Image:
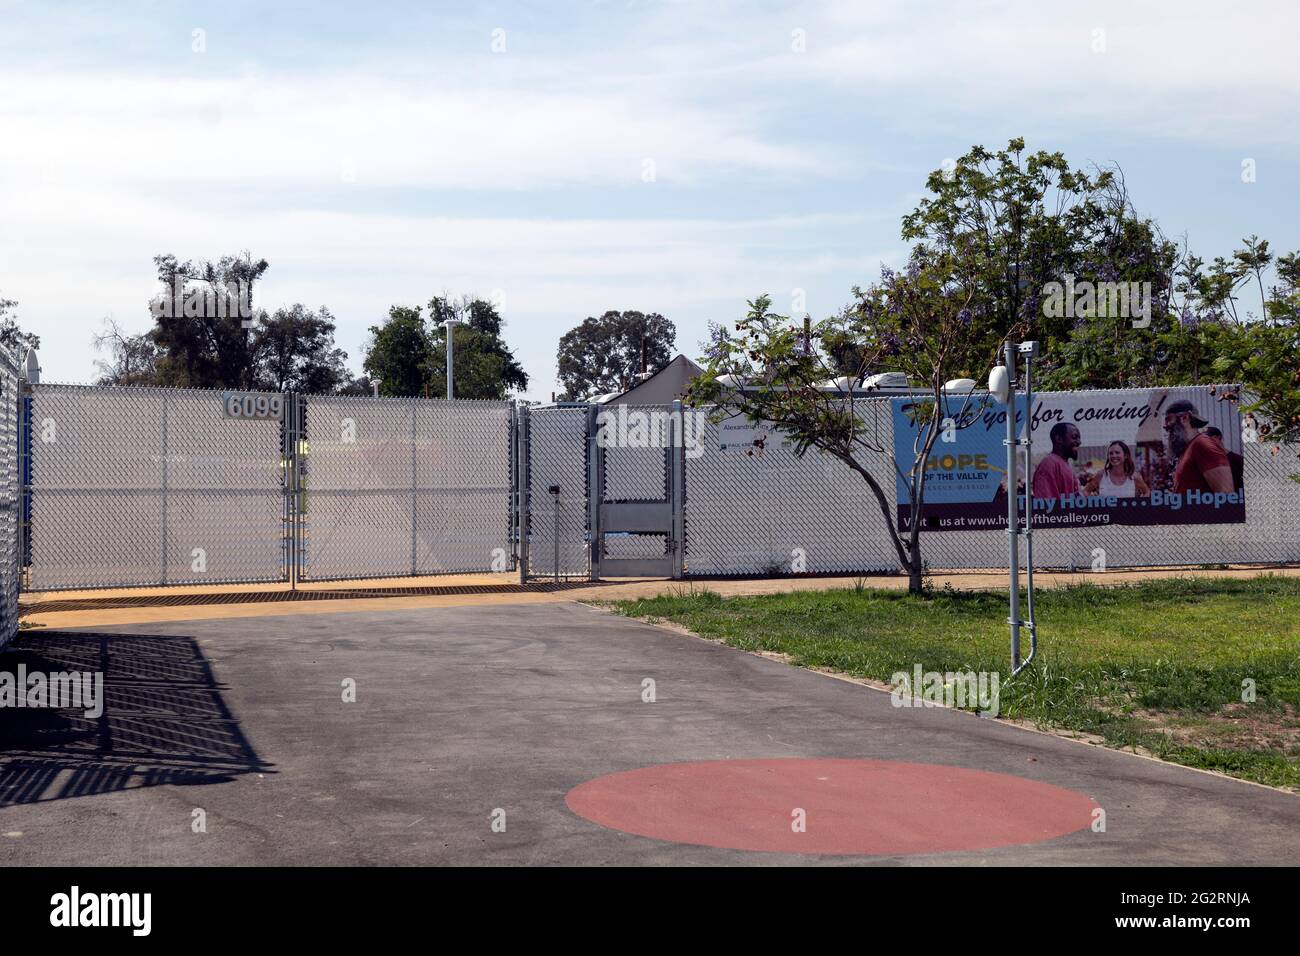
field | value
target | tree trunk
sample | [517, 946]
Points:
[915, 585]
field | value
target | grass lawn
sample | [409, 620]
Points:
[1158, 666]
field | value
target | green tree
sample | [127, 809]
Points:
[1021, 221]
[132, 359]
[485, 366]
[204, 323]
[208, 334]
[398, 352]
[1262, 353]
[408, 353]
[12, 336]
[916, 321]
[604, 354]
[295, 352]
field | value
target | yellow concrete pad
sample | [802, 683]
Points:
[100, 608]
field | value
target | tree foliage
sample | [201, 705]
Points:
[132, 359]
[485, 366]
[795, 376]
[995, 239]
[207, 333]
[408, 353]
[294, 352]
[12, 335]
[398, 351]
[603, 354]
[1020, 221]
[213, 349]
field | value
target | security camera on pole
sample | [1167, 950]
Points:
[1002, 385]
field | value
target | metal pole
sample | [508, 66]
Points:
[163, 509]
[525, 500]
[450, 326]
[24, 479]
[1029, 349]
[513, 440]
[595, 493]
[297, 528]
[286, 490]
[1013, 499]
[555, 497]
[677, 487]
[415, 497]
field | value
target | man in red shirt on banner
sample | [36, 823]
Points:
[1054, 477]
[1202, 463]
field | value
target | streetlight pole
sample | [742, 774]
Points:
[450, 326]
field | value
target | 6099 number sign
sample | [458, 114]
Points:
[253, 406]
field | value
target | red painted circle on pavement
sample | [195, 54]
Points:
[869, 807]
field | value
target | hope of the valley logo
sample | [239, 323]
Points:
[960, 689]
[74, 909]
[60, 689]
[624, 427]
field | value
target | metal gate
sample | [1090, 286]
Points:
[397, 487]
[152, 486]
[639, 471]
[554, 539]
[602, 491]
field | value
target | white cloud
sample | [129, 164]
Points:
[142, 131]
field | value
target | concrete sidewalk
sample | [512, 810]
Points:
[465, 710]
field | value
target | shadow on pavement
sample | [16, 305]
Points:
[164, 720]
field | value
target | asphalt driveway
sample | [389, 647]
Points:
[231, 742]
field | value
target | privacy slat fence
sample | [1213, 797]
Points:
[150, 486]
[145, 486]
[11, 498]
[759, 514]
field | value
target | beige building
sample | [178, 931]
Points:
[658, 388]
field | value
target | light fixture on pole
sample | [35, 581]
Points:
[450, 326]
[1002, 386]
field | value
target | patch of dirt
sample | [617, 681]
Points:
[1235, 727]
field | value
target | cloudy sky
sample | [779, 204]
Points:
[574, 157]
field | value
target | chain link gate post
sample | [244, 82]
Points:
[293, 491]
[595, 492]
[677, 489]
[512, 441]
[523, 500]
[24, 478]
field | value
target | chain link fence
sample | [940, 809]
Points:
[635, 469]
[769, 512]
[405, 487]
[152, 486]
[11, 498]
[146, 486]
[557, 476]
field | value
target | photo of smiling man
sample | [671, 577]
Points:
[1054, 475]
